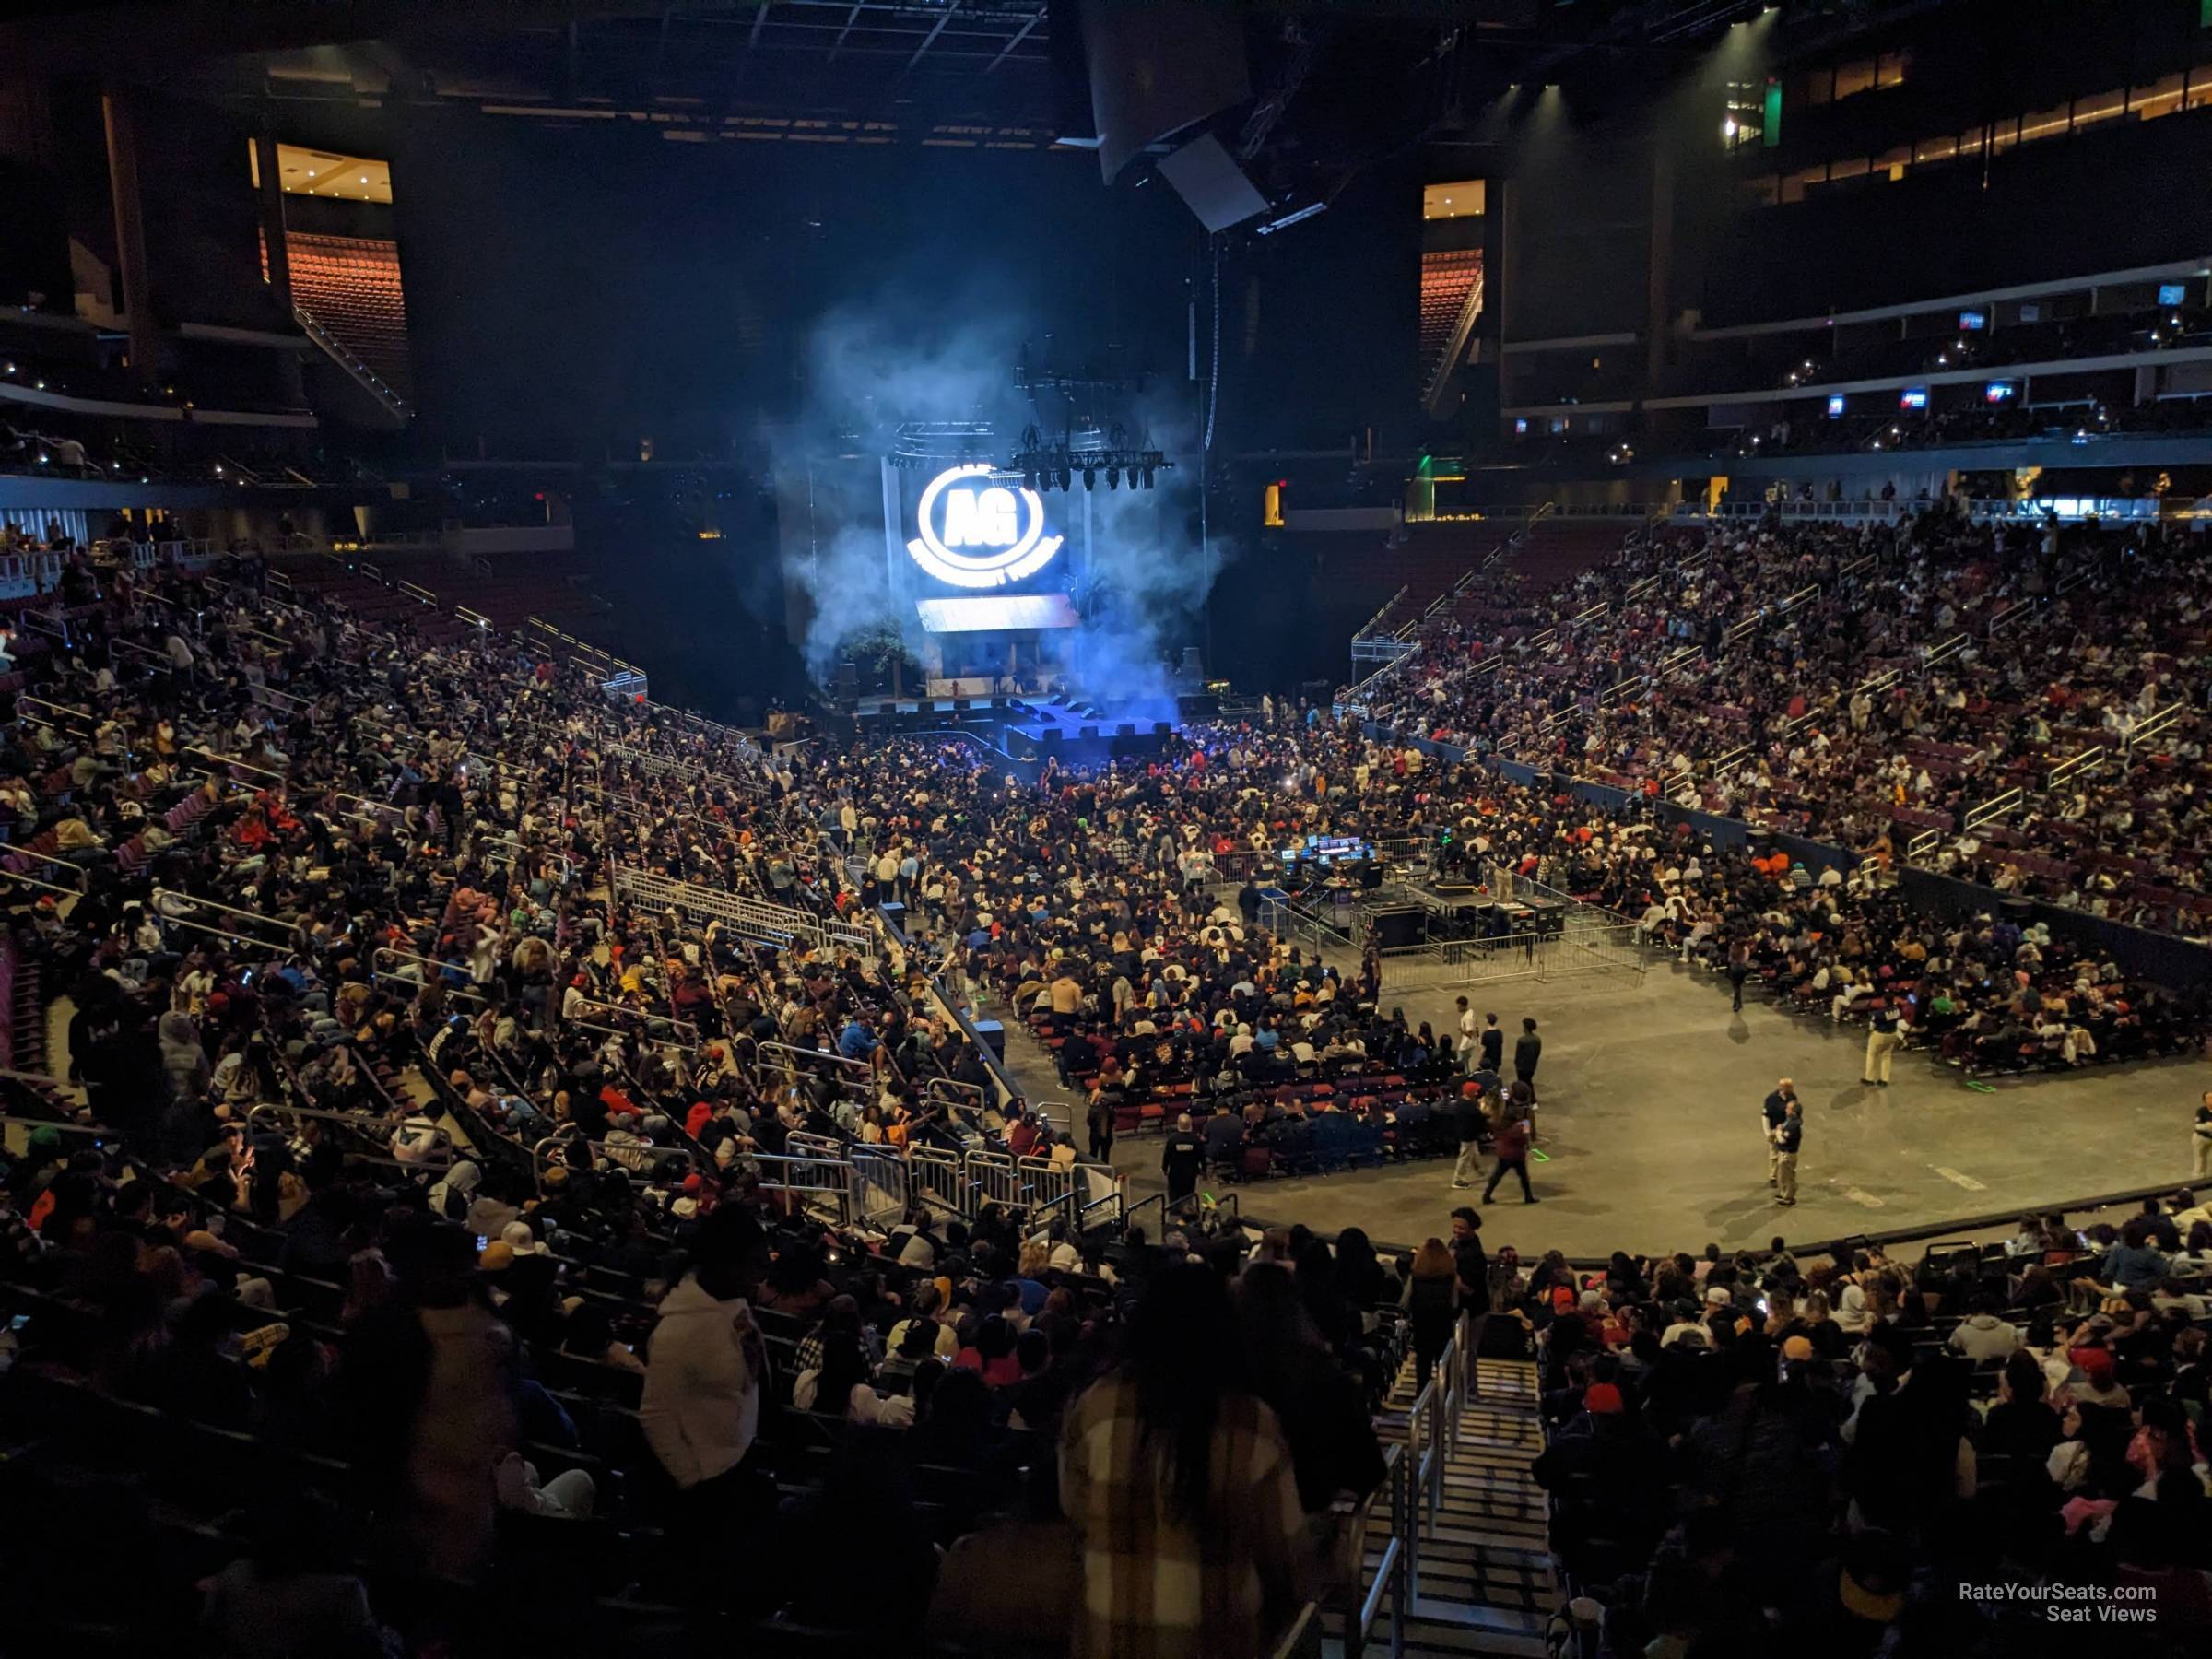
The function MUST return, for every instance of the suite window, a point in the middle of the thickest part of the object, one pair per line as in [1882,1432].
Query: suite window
[1889,70]
[1852,79]
[1935,149]
[1894,162]
[2100,106]
[2004,134]
[2200,88]
[2161,98]
[2045,124]
[1818,86]
[1856,167]
[1970,142]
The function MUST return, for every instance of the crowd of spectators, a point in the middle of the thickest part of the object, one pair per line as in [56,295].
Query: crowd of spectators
[429,1263]
[1870,686]
[1856,1454]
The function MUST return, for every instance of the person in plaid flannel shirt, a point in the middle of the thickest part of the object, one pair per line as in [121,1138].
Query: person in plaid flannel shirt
[1178,1484]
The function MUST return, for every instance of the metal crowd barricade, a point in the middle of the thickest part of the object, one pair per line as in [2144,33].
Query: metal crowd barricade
[936,1176]
[879,1185]
[995,1177]
[823,1185]
[804,1145]
[1047,1188]
[963,1097]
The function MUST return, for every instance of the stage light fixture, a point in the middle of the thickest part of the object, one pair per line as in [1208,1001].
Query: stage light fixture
[1090,478]
[1113,478]
[1148,478]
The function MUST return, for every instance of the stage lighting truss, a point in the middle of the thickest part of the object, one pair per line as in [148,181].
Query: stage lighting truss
[1057,466]
[935,444]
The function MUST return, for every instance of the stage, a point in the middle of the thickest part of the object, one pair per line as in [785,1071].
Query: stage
[1027,731]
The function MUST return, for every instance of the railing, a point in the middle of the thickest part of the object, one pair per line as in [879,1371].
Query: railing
[437,1151]
[1456,349]
[2154,724]
[754,918]
[1375,622]
[1518,956]
[2075,766]
[1991,810]
[1943,649]
[346,358]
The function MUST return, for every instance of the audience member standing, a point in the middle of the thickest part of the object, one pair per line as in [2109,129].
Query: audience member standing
[1182,1160]
[1511,1143]
[2200,1138]
[1883,1040]
[1787,1139]
[1467,1120]
[1493,1044]
[700,1409]
[1770,1114]
[1528,1048]
[1180,1488]
[1432,1295]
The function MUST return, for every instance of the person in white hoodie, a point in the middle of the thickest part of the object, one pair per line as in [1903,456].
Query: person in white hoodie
[1983,1335]
[703,1382]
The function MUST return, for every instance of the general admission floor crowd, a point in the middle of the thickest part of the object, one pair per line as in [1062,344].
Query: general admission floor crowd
[529,1341]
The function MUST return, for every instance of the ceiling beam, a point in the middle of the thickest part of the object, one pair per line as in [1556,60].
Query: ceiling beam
[839,43]
[931,39]
[1035,19]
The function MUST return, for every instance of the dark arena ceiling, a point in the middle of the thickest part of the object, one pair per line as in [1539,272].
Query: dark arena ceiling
[1012,63]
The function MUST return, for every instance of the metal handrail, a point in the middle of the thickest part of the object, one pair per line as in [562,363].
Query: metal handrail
[154,900]
[644,1014]
[66,892]
[817,1056]
[381,1129]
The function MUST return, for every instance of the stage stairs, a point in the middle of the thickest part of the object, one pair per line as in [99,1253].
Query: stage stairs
[1481,1574]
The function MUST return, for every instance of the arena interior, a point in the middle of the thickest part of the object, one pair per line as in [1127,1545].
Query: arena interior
[1181,829]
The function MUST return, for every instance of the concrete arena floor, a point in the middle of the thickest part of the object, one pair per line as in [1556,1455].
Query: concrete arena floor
[1650,1116]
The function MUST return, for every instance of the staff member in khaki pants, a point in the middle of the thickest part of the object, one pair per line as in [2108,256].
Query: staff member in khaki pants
[1787,1139]
[1771,1111]
[1882,1041]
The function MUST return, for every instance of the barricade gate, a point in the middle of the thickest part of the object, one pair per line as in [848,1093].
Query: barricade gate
[879,1186]
[935,1176]
[996,1176]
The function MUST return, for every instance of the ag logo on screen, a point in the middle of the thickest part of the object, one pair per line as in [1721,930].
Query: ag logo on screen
[975,534]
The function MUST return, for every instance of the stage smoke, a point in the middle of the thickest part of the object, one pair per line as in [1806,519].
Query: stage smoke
[899,358]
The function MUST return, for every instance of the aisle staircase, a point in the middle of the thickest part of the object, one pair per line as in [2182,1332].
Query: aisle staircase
[1477,1578]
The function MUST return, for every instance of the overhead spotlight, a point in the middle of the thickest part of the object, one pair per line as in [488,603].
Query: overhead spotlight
[1113,478]
[1090,477]
[1147,475]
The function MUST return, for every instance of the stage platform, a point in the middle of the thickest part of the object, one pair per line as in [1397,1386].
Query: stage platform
[1030,730]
